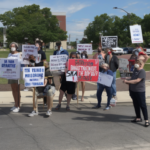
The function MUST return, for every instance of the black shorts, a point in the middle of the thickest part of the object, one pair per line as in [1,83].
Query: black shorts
[67,86]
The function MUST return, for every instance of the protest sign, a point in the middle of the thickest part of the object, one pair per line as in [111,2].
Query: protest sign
[136,34]
[124,68]
[85,47]
[71,76]
[87,69]
[28,50]
[58,62]
[34,76]
[9,68]
[105,79]
[109,41]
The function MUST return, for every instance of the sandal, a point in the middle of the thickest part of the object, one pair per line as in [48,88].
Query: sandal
[135,120]
[58,107]
[67,108]
[146,124]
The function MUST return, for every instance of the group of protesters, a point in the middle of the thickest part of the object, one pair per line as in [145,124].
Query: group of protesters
[108,64]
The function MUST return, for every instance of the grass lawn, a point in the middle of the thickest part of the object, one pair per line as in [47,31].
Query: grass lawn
[148,61]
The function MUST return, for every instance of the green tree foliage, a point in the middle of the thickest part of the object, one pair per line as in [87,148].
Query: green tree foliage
[32,22]
[111,26]
[1,36]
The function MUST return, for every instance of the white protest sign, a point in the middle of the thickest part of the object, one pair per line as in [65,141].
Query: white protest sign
[9,68]
[85,47]
[105,79]
[34,76]
[28,50]
[124,64]
[71,76]
[58,62]
[109,41]
[136,34]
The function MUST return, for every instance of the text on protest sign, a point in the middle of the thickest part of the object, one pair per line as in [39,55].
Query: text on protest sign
[9,68]
[136,34]
[34,76]
[71,76]
[105,79]
[109,41]
[28,50]
[58,62]
[87,69]
[85,47]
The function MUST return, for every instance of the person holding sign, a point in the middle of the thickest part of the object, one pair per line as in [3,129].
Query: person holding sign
[113,62]
[14,83]
[67,86]
[137,92]
[101,87]
[99,55]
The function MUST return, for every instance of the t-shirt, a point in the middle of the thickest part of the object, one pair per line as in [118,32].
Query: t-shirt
[140,86]
[41,57]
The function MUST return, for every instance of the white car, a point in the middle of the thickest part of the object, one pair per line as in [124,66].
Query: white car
[147,50]
[118,50]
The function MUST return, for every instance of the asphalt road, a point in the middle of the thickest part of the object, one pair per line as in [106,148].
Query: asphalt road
[80,129]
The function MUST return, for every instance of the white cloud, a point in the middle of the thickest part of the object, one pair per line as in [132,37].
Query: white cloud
[76,29]
[133,3]
[111,15]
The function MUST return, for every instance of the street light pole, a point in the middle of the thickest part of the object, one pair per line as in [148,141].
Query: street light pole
[100,44]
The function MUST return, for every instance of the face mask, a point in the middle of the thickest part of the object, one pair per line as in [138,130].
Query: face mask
[109,52]
[13,49]
[139,50]
[136,66]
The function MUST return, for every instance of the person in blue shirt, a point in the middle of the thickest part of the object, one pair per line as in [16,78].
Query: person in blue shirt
[100,88]
[60,50]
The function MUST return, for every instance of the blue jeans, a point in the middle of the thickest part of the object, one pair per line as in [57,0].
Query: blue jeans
[113,86]
[100,89]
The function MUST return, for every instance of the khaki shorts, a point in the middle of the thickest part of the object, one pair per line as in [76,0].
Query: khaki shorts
[50,92]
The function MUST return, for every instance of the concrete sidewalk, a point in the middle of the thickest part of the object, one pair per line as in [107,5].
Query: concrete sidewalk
[90,96]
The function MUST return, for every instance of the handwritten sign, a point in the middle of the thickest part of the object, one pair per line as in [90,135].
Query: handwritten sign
[136,34]
[109,41]
[85,47]
[9,68]
[105,79]
[58,62]
[28,50]
[34,76]
[71,76]
[87,69]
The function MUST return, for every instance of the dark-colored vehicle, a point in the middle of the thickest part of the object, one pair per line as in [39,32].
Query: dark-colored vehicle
[130,49]
[125,49]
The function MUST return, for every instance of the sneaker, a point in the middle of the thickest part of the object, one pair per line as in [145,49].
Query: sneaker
[12,108]
[33,113]
[67,108]
[107,108]
[48,113]
[74,97]
[16,110]
[58,107]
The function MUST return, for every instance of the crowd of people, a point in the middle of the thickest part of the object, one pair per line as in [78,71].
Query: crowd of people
[108,64]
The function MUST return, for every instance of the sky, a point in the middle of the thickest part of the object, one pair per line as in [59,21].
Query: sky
[79,13]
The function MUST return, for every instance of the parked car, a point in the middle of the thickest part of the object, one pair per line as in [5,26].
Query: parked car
[130,49]
[125,49]
[147,50]
[118,51]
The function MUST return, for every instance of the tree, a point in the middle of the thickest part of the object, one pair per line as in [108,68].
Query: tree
[1,36]
[111,26]
[32,22]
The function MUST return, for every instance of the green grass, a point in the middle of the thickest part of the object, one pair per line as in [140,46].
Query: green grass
[148,61]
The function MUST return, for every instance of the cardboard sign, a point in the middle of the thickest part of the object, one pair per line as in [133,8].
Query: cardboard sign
[109,41]
[85,47]
[9,68]
[34,76]
[105,79]
[136,34]
[72,76]
[28,50]
[87,69]
[58,62]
